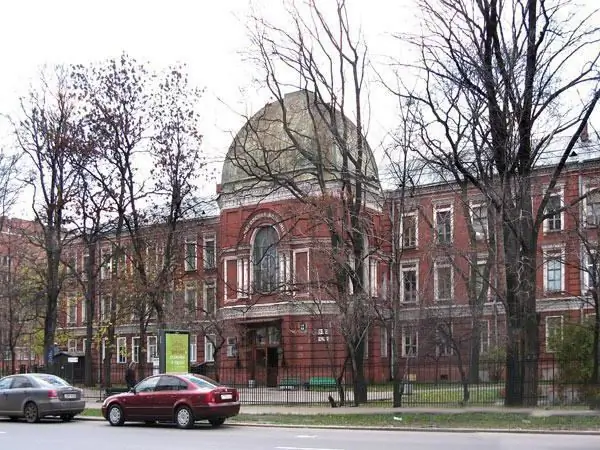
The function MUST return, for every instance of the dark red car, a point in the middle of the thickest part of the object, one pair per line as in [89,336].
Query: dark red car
[183,399]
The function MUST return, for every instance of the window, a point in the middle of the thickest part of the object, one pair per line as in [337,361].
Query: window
[121,350]
[553,271]
[443,340]
[383,341]
[105,261]
[479,219]
[193,348]
[210,297]
[104,344]
[591,272]
[209,348]
[482,285]
[231,347]
[190,298]
[84,345]
[210,252]
[71,311]
[147,385]
[592,209]
[323,335]
[554,221]
[554,332]
[484,331]
[190,256]
[443,225]
[135,349]
[373,277]
[265,260]
[72,345]
[443,282]
[409,283]
[410,342]
[409,231]
[170,383]
[152,346]
[85,261]
[83,306]
[105,305]
[5,383]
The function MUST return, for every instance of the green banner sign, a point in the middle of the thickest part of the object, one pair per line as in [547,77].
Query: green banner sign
[177,352]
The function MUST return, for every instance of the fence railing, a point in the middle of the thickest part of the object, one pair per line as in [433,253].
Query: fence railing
[424,383]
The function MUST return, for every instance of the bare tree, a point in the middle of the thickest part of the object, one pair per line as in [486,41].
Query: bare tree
[49,133]
[494,79]
[333,173]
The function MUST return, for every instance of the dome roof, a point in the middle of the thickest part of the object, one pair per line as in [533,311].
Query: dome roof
[288,143]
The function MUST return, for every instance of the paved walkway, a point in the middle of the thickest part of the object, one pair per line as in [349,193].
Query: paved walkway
[307,410]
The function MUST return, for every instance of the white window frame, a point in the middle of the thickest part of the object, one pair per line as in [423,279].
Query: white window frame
[414,216]
[206,240]
[208,284]
[373,277]
[445,348]
[152,348]
[135,356]
[479,235]
[412,266]
[586,202]
[121,344]
[103,349]
[484,338]
[480,269]
[72,345]
[549,349]
[546,251]
[82,304]
[560,193]
[586,264]
[71,311]
[187,265]
[106,264]
[190,287]
[193,348]
[231,347]
[84,261]
[405,334]
[441,209]
[83,344]
[436,281]
[242,288]
[383,341]
[209,349]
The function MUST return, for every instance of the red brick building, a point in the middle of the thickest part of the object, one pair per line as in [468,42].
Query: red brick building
[254,273]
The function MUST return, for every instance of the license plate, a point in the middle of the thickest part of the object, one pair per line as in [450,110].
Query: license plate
[226,396]
[70,396]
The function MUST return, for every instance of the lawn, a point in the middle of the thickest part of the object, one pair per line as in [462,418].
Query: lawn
[468,420]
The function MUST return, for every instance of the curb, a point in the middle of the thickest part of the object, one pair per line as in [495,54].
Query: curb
[396,429]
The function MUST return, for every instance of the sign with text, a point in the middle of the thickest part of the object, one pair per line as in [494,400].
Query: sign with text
[175,352]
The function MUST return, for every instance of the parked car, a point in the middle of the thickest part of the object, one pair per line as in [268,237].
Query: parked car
[179,399]
[37,395]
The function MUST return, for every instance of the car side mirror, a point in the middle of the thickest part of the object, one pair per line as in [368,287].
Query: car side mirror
[132,390]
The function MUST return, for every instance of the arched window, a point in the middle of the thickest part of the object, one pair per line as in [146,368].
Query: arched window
[265,259]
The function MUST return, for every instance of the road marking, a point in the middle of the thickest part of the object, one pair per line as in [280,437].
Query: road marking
[306,448]
[306,436]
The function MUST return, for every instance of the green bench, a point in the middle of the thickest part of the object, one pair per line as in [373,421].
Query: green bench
[289,384]
[321,382]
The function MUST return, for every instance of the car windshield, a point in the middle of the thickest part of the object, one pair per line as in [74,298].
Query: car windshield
[51,380]
[202,381]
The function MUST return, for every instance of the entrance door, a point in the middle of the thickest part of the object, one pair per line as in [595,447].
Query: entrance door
[272,366]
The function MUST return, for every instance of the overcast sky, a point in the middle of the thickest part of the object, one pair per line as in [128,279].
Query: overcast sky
[207,35]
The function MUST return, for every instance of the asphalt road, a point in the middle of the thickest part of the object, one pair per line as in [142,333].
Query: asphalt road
[95,435]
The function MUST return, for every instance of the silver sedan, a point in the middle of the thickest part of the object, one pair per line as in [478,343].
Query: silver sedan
[37,395]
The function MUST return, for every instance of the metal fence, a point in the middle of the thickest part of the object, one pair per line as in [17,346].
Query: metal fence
[425,384]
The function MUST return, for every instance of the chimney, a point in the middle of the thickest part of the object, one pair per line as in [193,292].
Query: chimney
[584,136]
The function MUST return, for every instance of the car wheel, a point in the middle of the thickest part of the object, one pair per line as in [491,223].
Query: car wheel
[216,423]
[66,417]
[184,417]
[115,415]
[32,415]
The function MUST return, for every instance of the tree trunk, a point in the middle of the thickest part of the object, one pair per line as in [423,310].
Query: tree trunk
[596,348]
[359,383]
[475,352]
[89,313]
[142,351]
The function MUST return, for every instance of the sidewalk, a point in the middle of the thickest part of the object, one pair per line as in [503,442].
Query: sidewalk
[308,410]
